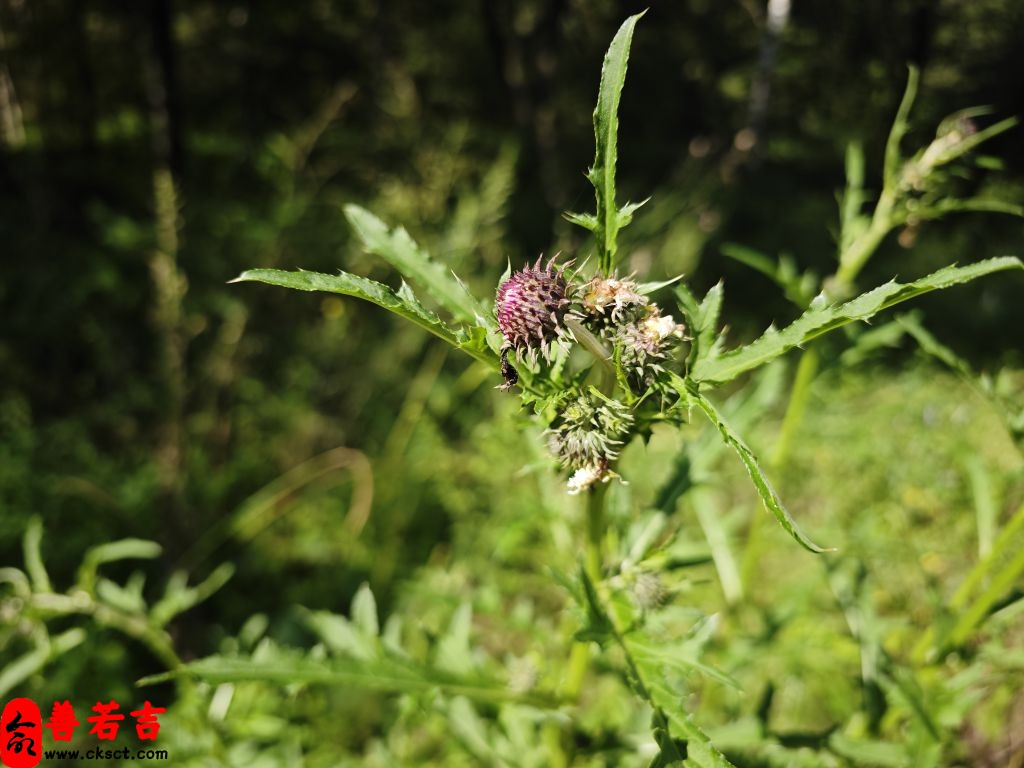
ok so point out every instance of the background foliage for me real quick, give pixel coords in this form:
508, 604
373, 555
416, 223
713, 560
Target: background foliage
302, 448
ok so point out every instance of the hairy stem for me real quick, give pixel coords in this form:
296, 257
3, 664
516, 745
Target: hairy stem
595, 530
579, 655
853, 259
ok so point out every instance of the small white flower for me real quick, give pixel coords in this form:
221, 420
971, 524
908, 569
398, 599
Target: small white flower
657, 328
586, 477
603, 293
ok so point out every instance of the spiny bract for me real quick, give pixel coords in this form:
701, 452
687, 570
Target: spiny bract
530, 307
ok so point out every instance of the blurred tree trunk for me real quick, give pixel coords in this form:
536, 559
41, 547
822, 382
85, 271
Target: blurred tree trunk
527, 58
12, 125
924, 28
776, 18
169, 284
85, 82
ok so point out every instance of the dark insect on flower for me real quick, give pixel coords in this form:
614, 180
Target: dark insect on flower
508, 372
530, 308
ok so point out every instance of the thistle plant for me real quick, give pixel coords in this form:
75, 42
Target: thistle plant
598, 362
530, 308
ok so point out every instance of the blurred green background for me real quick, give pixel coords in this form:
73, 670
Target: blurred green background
150, 152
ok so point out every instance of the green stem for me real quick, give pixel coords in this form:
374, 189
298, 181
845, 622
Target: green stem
853, 259
1000, 580
137, 627
634, 677
579, 655
579, 658
595, 530
806, 370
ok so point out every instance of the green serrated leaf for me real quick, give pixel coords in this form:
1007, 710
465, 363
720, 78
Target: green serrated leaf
821, 319
125, 549
368, 290
477, 339
710, 310
340, 636
764, 488
609, 218
16, 671
405, 293
932, 346
585, 220
681, 657
649, 288
453, 650
700, 752
702, 320
946, 206
32, 546
688, 305
471, 729
873, 752
180, 598
403, 253
364, 612
625, 215
127, 598
798, 288
900, 126
670, 753
385, 674
599, 627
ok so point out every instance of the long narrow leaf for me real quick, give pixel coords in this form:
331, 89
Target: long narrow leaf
764, 488
414, 264
900, 126
819, 320
124, 549
387, 675
700, 752
402, 303
606, 130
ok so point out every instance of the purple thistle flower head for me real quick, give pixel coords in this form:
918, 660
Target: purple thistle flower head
530, 306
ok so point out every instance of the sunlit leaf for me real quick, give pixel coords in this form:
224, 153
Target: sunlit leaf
819, 319
585, 220
677, 656
32, 548
180, 597
401, 303
364, 612
125, 549
453, 650
386, 674
700, 752
414, 264
18, 670
764, 487
609, 218
702, 319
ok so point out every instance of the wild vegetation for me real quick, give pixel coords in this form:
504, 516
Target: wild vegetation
530, 521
